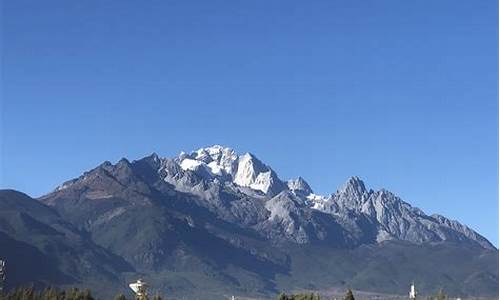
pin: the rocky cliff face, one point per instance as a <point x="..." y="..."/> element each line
<point x="231" y="218"/>
<point x="396" y="219"/>
<point x="41" y="248"/>
<point x="242" y="190"/>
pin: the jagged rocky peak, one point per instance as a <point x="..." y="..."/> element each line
<point x="253" y="173"/>
<point x="218" y="158"/>
<point x="250" y="169"/>
<point x="153" y="157"/>
<point x="299" y="185"/>
<point x="353" y="193"/>
<point x="354" y="185"/>
<point x="224" y="163"/>
<point x="215" y="153"/>
<point x="369" y="215"/>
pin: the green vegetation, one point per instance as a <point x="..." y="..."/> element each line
<point x="349" y="295"/>
<point x="440" y="296"/>
<point x="120" y="297"/>
<point x="50" y="293"/>
<point x="29" y="293"/>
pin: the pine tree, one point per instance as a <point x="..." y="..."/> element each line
<point x="87" y="295"/>
<point x="28" y="293"/>
<point x="441" y="295"/>
<point x="349" y="295"/>
<point x="49" y="293"/>
<point x="120" y="297"/>
<point x="282" y="296"/>
<point x="72" y="294"/>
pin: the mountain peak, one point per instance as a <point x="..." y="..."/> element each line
<point x="253" y="173"/>
<point x="214" y="152"/>
<point x="224" y="163"/>
<point x="217" y="174"/>
<point x="352" y="194"/>
<point x="154" y="156"/>
<point x="353" y="185"/>
<point x="299" y="185"/>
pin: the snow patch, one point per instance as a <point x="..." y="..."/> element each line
<point x="317" y="201"/>
<point x="224" y="163"/>
<point x="316" y="198"/>
<point x="215" y="168"/>
<point x="190" y="164"/>
<point x="262" y="182"/>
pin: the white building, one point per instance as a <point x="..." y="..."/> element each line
<point x="413" y="292"/>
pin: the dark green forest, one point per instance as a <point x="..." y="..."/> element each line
<point x="50" y="293"/>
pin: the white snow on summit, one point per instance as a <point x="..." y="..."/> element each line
<point x="248" y="172"/>
<point x="263" y="182"/>
<point x="317" y="201"/>
<point x="317" y="198"/>
<point x="218" y="158"/>
<point x="190" y="164"/>
<point x="244" y="170"/>
<point x="215" y="168"/>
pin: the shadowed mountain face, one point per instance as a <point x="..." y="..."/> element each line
<point x="243" y="191"/>
<point x="42" y="248"/>
<point x="215" y="223"/>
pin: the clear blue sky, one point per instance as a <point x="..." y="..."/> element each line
<point x="403" y="94"/>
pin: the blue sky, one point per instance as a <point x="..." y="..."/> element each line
<point x="403" y="94"/>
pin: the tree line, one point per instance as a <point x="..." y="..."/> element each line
<point x="312" y="296"/>
<point x="51" y="293"/>
<point x="348" y="296"/>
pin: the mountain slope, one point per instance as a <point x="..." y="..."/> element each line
<point x="41" y="248"/>
<point x="397" y="219"/>
<point x="225" y="223"/>
<point x="241" y="189"/>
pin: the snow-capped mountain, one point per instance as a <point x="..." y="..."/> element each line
<point x="225" y="164"/>
<point x="220" y="222"/>
<point x="243" y="190"/>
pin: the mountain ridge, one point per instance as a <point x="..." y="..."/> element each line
<point x="207" y="169"/>
<point x="210" y="228"/>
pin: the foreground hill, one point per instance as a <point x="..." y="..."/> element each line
<point x="214" y="223"/>
<point x="41" y="248"/>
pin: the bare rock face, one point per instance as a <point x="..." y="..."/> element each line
<point x="396" y="219"/>
<point x="41" y="247"/>
<point x="299" y="186"/>
<point x="243" y="190"/>
<point x="230" y="217"/>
